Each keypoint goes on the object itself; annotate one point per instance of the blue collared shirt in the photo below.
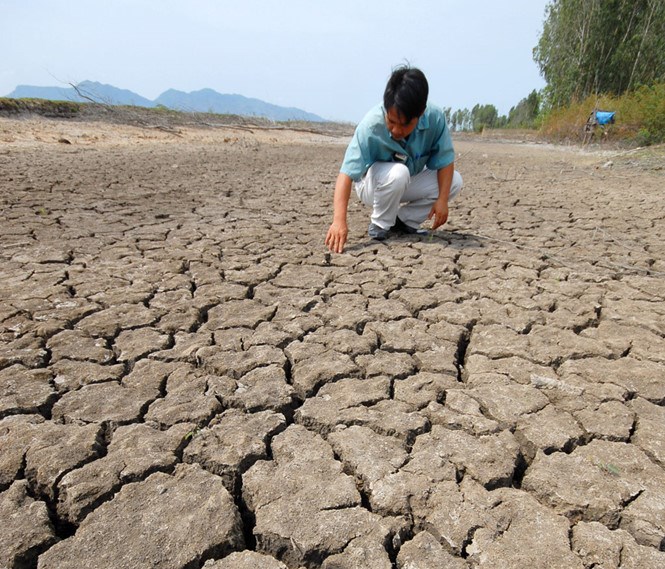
(429, 145)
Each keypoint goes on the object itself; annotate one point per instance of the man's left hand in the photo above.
(439, 213)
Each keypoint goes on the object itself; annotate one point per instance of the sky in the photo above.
(331, 58)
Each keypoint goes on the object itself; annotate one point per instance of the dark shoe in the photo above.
(378, 233)
(402, 227)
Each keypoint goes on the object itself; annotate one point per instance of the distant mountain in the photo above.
(210, 101)
(88, 90)
(205, 100)
(52, 93)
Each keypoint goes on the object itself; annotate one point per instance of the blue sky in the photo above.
(331, 58)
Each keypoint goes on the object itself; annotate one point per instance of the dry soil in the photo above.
(188, 377)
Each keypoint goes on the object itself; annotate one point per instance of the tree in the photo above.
(525, 113)
(452, 123)
(465, 119)
(484, 116)
(446, 112)
(460, 120)
(600, 46)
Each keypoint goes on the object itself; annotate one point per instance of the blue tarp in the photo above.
(605, 117)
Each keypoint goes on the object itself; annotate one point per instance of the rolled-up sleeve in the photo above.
(354, 163)
(442, 154)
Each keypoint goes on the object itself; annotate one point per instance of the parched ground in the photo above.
(188, 378)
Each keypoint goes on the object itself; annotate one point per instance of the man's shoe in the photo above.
(378, 233)
(402, 227)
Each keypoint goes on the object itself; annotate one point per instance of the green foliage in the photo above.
(600, 46)
(609, 468)
(484, 116)
(640, 117)
(525, 114)
(192, 434)
(650, 102)
(461, 120)
(476, 119)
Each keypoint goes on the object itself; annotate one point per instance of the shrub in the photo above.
(42, 107)
(640, 117)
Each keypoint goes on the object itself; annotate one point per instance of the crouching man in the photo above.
(400, 163)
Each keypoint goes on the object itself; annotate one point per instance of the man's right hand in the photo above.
(339, 230)
(336, 237)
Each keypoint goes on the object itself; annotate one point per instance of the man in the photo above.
(400, 163)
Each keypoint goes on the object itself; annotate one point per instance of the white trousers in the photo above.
(390, 191)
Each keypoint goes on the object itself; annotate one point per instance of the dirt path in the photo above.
(188, 377)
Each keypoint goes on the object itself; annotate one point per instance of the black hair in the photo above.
(407, 90)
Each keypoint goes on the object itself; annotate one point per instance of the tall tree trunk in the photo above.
(652, 5)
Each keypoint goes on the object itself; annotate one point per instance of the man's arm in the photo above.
(338, 231)
(439, 212)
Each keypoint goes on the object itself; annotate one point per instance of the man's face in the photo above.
(397, 125)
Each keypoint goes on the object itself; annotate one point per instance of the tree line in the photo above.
(523, 115)
(587, 49)
(593, 47)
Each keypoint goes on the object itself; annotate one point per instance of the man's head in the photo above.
(404, 100)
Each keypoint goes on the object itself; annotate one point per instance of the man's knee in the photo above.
(456, 185)
(399, 174)
(390, 176)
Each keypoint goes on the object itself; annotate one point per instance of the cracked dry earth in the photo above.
(188, 379)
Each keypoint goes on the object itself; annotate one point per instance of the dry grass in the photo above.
(640, 118)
